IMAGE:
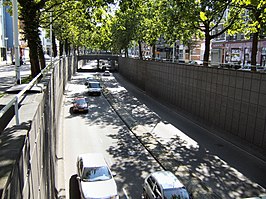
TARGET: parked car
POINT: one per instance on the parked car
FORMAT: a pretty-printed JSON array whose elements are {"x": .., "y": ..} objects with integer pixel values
[
  {"x": 80, "y": 105},
  {"x": 164, "y": 185},
  {"x": 106, "y": 73},
  {"x": 196, "y": 62},
  {"x": 47, "y": 57},
  {"x": 94, "y": 88},
  {"x": 248, "y": 68},
  {"x": 95, "y": 178}
]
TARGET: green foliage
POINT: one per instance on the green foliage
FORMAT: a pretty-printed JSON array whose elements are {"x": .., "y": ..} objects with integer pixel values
[
  {"x": 26, "y": 80},
  {"x": 91, "y": 24},
  {"x": 253, "y": 18},
  {"x": 2, "y": 94}
]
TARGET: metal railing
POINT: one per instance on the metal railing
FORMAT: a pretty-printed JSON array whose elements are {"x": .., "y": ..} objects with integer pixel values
[{"x": 15, "y": 101}]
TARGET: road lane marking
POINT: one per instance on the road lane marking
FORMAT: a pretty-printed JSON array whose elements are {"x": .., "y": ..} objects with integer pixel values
[{"x": 125, "y": 193}]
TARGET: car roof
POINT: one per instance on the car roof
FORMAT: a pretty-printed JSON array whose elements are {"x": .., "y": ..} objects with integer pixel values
[
  {"x": 93, "y": 159},
  {"x": 79, "y": 98},
  {"x": 167, "y": 179}
]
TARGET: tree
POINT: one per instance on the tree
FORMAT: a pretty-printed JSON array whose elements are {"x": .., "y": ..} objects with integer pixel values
[
  {"x": 30, "y": 15},
  {"x": 253, "y": 23},
  {"x": 194, "y": 18},
  {"x": 125, "y": 24},
  {"x": 151, "y": 27},
  {"x": 71, "y": 23}
]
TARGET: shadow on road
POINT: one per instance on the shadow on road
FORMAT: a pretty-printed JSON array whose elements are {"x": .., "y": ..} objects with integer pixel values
[{"x": 73, "y": 188}]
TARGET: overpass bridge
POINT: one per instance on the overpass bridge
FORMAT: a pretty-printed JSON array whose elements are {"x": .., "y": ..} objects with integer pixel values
[
  {"x": 110, "y": 57},
  {"x": 97, "y": 57}
]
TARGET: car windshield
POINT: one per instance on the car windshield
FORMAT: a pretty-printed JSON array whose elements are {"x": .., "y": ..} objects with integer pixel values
[
  {"x": 81, "y": 101},
  {"x": 94, "y": 85},
  {"x": 176, "y": 193},
  {"x": 92, "y": 174}
]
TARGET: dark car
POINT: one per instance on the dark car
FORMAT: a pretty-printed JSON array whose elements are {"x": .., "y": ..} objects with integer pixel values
[{"x": 80, "y": 105}]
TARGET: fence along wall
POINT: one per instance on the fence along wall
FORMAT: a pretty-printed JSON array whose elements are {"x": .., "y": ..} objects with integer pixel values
[
  {"x": 28, "y": 151},
  {"x": 233, "y": 101}
]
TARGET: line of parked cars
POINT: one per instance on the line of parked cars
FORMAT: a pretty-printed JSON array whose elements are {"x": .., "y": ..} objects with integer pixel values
[{"x": 248, "y": 68}]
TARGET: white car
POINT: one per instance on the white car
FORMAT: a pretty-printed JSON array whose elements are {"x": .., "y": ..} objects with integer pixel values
[
  {"x": 106, "y": 73},
  {"x": 164, "y": 185},
  {"x": 94, "y": 88},
  {"x": 94, "y": 177}
]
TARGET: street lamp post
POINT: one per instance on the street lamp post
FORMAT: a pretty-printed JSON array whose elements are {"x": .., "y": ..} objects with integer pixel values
[
  {"x": 16, "y": 40},
  {"x": 6, "y": 38}
]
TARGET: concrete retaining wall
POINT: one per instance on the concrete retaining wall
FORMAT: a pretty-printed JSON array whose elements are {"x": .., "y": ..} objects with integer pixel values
[
  {"x": 231, "y": 100},
  {"x": 28, "y": 151}
]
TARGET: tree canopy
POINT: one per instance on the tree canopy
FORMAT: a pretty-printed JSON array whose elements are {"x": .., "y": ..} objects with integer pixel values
[{"x": 115, "y": 25}]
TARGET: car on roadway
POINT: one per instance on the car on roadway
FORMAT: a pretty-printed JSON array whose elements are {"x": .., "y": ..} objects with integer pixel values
[
  {"x": 80, "y": 105},
  {"x": 106, "y": 73},
  {"x": 89, "y": 79},
  {"x": 94, "y": 88},
  {"x": 164, "y": 185},
  {"x": 95, "y": 178}
]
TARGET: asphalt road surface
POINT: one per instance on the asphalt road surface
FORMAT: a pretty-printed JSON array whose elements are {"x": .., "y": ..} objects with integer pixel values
[
  {"x": 101, "y": 130},
  {"x": 223, "y": 166},
  {"x": 219, "y": 161}
]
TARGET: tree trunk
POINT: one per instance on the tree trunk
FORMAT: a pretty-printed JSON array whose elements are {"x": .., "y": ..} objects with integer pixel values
[
  {"x": 41, "y": 55},
  {"x": 54, "y": 54},
  {"x": 207, "y": 50},
  {"x": 34, "y": 61},
  {"x": 254, "y": 51},
  {"x": 126, "y": 52},
  {"x": 61, "y": 48},
  {"x": 140, "y": 51},
  {"x": 153, "y": 51}
]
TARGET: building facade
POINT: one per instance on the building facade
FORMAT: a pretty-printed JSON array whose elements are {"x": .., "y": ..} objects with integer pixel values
[{"x": 237, "y": 52}]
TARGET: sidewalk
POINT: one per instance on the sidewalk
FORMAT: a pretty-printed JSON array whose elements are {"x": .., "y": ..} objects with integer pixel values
[{"x": 8, "y": 75}]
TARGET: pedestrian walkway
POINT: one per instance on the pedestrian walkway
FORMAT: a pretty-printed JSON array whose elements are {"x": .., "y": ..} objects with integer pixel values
[{"x": 8, "y": 74}]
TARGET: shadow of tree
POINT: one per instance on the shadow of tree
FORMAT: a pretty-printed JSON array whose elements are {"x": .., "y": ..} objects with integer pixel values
[
  {"x": 206, "y": 164},
  {"x": 11, "y": 143},
  {"x": 203, "y": 169}
]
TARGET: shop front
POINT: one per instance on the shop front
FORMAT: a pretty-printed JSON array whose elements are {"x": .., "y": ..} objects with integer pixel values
[
  {"x": 240, "y": 53},
  {"x": 217, "y": 53}
]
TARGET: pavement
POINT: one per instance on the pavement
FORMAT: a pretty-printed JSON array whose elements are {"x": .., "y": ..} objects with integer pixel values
[{"x": 8, "y": 75}]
